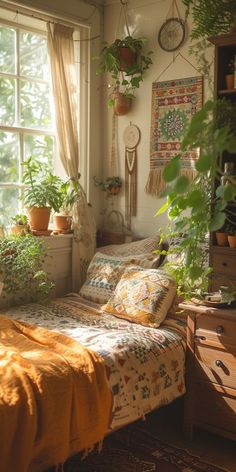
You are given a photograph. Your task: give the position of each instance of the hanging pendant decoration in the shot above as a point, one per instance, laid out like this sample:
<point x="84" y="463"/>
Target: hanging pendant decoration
<point x="131" y="139"/>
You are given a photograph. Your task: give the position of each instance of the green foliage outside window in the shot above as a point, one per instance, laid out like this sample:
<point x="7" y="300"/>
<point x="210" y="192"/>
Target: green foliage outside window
<point x="32" y="115"/>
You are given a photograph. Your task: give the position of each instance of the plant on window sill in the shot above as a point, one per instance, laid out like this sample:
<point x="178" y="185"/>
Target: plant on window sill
<point x="20" y="224"/>
<point x="189" y="205"/>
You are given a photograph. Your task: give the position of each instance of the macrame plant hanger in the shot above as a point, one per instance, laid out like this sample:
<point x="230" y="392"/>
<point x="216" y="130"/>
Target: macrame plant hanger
<point x="131" y="140"/>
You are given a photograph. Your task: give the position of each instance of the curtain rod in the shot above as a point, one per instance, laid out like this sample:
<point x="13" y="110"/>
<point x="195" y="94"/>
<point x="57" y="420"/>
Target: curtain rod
<point x="38" y="15"/>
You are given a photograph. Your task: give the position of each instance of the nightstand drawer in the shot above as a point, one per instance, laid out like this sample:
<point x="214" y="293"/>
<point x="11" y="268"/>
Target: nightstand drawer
<point x="224" y="263"/>
<point x="215" y="365"/>
<point x="215" y="409"/>
<point x="212" y="328"/>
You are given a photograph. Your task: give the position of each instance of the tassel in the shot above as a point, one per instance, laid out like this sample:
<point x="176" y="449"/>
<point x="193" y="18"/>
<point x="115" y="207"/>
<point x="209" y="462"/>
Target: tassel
<point x="156" y="184"/>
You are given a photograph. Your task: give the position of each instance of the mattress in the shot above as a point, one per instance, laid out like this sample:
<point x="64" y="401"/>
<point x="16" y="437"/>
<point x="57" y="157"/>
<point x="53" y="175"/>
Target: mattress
<point x="145" y="366"/>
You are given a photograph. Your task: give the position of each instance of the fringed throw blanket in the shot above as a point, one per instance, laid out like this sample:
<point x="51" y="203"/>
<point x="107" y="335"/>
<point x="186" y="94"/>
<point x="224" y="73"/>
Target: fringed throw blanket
<point x="173" y="104"/>
<point x="54" y="397"/>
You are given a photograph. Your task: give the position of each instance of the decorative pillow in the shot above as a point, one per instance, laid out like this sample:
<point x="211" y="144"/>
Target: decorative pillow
<point x="104" y="272"/>
<point x="142" y="296"/>
<point x="146" y="245"/>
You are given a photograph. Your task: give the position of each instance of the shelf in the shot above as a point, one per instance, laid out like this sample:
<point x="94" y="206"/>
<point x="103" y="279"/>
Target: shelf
<point x="219" y="249"/>
<point x="227" y="92"/>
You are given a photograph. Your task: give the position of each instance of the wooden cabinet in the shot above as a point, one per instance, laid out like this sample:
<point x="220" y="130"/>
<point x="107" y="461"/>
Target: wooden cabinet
<point x="210" y="400"/>
<point x="223" y="259"/>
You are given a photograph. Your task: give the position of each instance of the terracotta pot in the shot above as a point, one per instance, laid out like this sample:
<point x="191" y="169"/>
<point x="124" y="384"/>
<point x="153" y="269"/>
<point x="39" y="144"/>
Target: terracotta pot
<point x="113" y="190"/>
<point x="222" y="239"/>
<point x="122" y="104"/>
<point x="127" y="58"/>
<point x="39" y="218"/>
<point x="229" y="78"/>
<point x="20" y="229"/>
<point x="232" y="241"/>
<point x="62" y="222"/>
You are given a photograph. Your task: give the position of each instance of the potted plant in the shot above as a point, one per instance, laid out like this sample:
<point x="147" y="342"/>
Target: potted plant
<point x="41" y="194"/>
<point x="21" y="270"/>
<point x="232" y="238"/>
<point x="111" y="185"/>
<point x="222" y="236"/>
<point x="21" y="225"/>
<point x="125" y="60"/>
<point x="70" y="194"/>
<point x="192" y="272"/>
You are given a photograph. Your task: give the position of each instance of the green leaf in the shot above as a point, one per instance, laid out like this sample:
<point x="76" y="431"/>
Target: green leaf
<point x="229" y="193"/>
<point x="195" y="198"/>
<point x="195" y="272"/>
<point x="182" y="184"/>
<point x="220" y="191"/>
<point x="217" y="221"/>
<point x="172" y="169"/>
<point x="163" y="208"/>
<point x="204" y="163"/>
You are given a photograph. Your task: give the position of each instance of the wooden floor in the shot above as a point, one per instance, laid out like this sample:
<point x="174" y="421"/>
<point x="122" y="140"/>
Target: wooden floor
<point x="168" y="425"/>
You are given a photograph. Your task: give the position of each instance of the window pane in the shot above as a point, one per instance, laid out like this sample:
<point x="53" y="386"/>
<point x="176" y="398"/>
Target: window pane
<point x="7" y="101"/>
<point x="33" y="55"/>
<point x="40" y="147"/>
<point x="9" y="157"/>
<point x="7" y="50"/>
<point x="35" y="105"/>
<point x="9" y="204"/>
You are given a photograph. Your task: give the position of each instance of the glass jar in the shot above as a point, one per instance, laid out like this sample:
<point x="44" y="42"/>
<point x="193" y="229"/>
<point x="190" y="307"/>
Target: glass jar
<point x="228" y="171"/>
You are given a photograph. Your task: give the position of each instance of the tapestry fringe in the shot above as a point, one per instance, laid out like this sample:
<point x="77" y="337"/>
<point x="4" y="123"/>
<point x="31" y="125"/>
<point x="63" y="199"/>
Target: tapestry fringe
<point x="156" y="184"/>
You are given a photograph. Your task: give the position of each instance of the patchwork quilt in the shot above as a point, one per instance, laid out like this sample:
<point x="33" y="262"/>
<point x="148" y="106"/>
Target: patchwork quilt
<point x="145" y="366"/>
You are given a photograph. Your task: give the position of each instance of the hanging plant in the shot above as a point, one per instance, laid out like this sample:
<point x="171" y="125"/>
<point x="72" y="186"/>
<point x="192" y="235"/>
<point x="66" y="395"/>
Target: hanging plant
<point x="111" y="185"/>
<point x="125" y="60"/>
<point x="210" y="18"/>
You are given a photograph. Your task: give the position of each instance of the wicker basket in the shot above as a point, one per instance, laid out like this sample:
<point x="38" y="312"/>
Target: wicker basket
<point x="114" y="231"/>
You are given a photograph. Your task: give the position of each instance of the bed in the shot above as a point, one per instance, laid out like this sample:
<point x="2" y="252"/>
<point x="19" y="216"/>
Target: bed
<point x="144" y="369"/>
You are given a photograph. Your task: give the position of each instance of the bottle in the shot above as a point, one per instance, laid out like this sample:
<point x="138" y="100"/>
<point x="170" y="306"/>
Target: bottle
<point x="228" y="170"/>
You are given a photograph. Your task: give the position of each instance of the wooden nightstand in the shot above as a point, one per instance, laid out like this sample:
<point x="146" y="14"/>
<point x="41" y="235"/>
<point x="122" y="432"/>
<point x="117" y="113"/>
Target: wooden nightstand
<point x="210" y="400"/>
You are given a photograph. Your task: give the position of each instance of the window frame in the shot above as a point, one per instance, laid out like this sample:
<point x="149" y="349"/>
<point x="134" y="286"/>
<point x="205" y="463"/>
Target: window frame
<point x="82" y="55"/>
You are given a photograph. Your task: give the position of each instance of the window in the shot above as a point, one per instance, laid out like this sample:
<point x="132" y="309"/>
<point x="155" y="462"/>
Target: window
<point x="26" y="110"/>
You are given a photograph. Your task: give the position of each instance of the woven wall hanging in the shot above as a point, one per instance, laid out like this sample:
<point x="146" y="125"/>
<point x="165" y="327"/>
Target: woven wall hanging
<point x="131" y="139"/>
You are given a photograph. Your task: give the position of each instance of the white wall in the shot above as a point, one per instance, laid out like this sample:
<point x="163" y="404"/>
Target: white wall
<point x="145" y="18"/>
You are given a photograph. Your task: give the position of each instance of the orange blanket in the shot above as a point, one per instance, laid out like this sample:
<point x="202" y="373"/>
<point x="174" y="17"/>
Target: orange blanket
<point x="54" y="397"/>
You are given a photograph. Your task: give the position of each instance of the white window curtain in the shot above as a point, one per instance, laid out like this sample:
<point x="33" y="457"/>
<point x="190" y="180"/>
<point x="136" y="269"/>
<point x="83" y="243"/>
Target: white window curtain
<point x="61" y="54"/>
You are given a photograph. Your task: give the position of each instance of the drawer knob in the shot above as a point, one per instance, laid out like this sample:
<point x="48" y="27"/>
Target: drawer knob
<point x="220" y="329"/>
<point x="200" y="338"/>
<point x="219" y="363"/>
<point x="224" y="264"/>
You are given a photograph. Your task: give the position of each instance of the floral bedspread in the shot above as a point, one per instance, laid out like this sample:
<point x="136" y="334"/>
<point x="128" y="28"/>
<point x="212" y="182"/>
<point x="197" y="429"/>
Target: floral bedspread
<point x="145" y="366"/>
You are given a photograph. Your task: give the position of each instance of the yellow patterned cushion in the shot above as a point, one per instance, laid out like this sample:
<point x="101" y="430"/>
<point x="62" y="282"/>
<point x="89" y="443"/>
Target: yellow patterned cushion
<point x="142" y="296"/>
<point x="104" y="272"/>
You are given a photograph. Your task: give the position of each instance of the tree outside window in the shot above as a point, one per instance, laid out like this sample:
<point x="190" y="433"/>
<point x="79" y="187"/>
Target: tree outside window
<point x="26" y="111"/>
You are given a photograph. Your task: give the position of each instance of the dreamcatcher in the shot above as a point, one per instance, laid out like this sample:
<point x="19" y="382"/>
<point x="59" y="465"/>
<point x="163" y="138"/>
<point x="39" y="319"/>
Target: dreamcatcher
<point x="131" y="139"/>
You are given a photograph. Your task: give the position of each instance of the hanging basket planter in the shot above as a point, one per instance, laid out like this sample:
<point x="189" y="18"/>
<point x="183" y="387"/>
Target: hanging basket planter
<point x="127" y="58"/>
<point x="122" y="104"/>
